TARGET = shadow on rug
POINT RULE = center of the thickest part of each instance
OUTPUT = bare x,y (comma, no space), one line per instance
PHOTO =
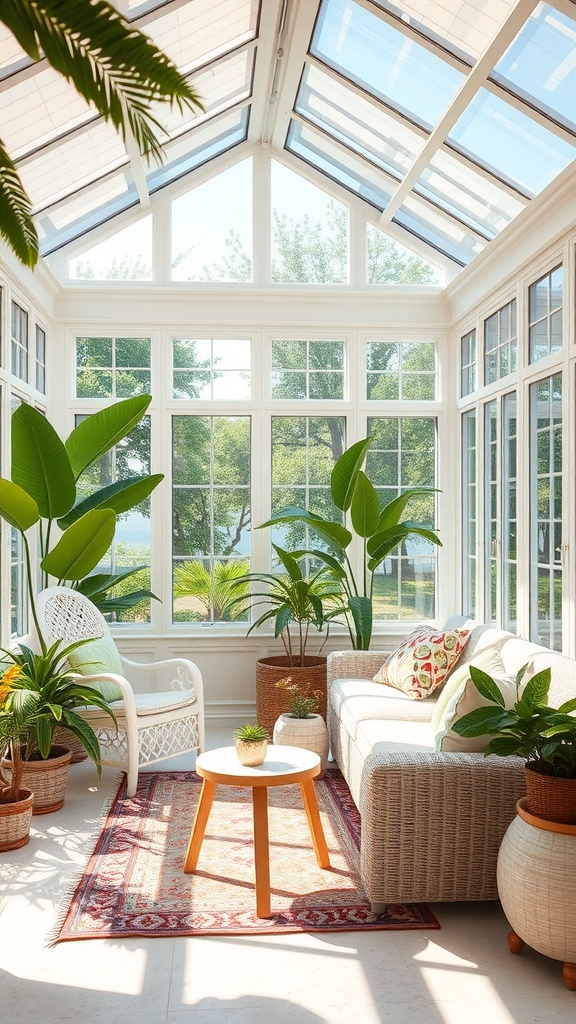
133,884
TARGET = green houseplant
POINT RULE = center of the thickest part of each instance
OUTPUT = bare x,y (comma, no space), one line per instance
380,530
301,725
42,494
43,490
544,736
294,602
38,694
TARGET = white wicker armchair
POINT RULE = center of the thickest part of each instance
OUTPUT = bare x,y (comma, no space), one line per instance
151,726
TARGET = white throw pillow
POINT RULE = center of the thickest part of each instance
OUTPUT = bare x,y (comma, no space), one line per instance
460,696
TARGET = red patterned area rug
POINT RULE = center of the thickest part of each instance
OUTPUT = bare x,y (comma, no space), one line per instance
133,884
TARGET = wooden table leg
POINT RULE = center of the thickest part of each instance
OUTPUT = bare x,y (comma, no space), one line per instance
316,830
199,826
261,850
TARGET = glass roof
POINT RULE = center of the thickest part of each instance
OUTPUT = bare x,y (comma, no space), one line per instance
447,118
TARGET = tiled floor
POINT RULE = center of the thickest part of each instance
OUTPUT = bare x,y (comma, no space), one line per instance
462,974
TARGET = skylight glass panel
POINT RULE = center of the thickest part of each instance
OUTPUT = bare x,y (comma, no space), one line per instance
440,231
321,153
465,26
92,206
511,144
39,108
378,57
78,160
363,126
195,33
469,195
197,147
220,87
541,63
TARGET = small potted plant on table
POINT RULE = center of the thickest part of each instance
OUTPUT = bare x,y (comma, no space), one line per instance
251,744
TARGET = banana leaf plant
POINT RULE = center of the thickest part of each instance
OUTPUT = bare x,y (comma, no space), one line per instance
42,491
379,529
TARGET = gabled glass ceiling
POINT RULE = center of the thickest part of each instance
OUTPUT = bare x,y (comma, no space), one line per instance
464,136
447,117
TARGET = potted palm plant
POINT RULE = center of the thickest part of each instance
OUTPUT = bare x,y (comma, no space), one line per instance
380,530
39,695
294,603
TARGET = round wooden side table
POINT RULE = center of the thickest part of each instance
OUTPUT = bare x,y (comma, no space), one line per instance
283,766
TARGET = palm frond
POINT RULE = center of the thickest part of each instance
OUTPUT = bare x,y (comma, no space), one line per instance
110,63
16,224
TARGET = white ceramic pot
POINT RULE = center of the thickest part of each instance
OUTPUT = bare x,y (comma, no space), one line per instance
310,733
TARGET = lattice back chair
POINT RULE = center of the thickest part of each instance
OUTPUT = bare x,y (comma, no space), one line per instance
151,726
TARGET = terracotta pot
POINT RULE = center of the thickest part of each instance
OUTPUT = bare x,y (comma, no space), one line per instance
15,822
549,797
309,733
45,778
272,702
251,754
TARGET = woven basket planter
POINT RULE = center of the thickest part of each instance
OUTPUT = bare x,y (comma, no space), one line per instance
15,822
551,798
537,887
65,738
272,702
46,779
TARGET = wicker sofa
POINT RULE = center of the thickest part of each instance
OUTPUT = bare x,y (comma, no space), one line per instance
432,822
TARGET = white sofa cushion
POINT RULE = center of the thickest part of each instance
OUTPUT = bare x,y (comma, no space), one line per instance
373,737
355,700
460,696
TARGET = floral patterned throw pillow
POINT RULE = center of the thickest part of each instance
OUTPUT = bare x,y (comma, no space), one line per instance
420,665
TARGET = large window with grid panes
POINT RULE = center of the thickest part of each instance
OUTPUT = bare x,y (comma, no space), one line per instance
514,448
253,421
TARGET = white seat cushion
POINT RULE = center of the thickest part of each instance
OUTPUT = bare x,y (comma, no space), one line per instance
153,703
374,737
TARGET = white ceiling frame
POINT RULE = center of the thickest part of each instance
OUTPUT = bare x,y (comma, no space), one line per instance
374,174
301,21
475,80
369,97
266,46
531,110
